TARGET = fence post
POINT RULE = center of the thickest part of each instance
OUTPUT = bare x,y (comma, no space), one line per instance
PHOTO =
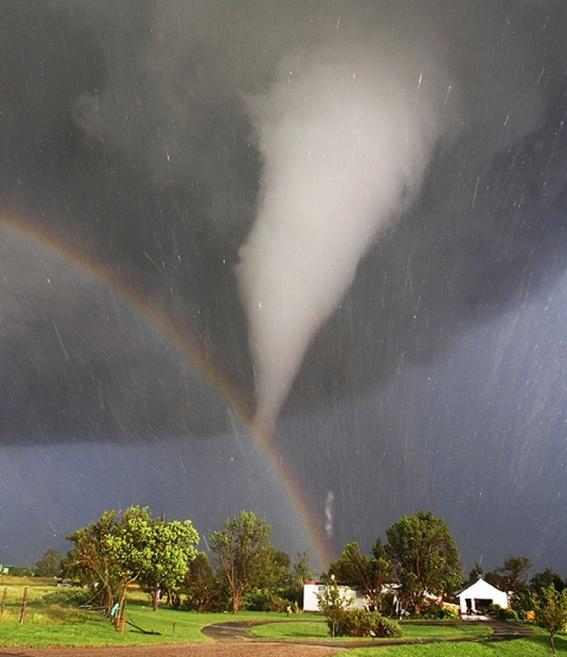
4,594
24,605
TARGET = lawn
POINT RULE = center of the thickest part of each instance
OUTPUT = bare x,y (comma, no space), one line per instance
537,646
50,621
316,629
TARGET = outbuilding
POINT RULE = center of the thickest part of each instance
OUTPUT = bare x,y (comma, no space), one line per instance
477,597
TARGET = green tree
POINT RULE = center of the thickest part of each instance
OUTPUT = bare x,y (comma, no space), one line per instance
49,565
425,557
363,572
91,562
551,612
475,573
115,551
201,587
244,554
544,579
333,603
299,573
514,573
155,553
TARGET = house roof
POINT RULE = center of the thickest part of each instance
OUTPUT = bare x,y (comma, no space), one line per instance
480,585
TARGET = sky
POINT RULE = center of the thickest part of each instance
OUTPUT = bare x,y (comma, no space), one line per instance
304,258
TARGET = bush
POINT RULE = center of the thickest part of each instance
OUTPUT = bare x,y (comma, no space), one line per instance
436,611
362,623
388,628
265,600
503,614
356,622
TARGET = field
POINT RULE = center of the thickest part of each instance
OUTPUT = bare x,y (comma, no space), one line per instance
51,619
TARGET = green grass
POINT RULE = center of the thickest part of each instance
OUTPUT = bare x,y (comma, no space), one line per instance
50,622
315,630
537,646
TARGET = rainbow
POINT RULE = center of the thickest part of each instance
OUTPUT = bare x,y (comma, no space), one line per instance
191,349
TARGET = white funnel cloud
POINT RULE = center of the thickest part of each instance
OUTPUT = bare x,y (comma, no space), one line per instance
345,137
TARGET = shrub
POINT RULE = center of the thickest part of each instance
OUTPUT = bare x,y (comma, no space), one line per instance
265,600
362,623
387,627
503,614
436,611
356,622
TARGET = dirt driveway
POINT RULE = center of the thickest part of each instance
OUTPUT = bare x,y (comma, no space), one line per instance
237,649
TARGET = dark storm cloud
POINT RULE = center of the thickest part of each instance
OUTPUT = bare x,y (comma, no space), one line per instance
134,132
128,127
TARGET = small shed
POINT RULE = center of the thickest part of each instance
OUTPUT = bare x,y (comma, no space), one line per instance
477,597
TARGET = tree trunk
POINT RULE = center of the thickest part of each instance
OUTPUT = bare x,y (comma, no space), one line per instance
120,613
552,643
155,599
236,602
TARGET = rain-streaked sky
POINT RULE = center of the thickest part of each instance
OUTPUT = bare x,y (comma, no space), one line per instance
346,220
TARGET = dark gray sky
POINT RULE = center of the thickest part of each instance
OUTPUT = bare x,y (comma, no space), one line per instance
152,138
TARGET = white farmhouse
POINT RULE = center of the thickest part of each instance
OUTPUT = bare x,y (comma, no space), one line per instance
479,596
311,589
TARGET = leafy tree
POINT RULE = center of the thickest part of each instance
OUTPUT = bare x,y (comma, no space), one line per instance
91,562
514,573
244,555
115,551
475,573
496,578
425,557
299,573
363,572
49,565
154,552
22,571
546,578
551,612
333,604
201,587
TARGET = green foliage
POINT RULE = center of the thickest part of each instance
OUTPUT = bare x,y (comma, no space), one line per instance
300,572
546,578
514,573
475,573
263,599
364,572
387,627
90,560
551,612
425,558
22,571
245,557
333,603
523,601
356,622
202,589
362,623
116,551
49,565
437,611
503,614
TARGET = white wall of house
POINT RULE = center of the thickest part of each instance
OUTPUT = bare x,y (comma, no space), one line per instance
311,602
481,590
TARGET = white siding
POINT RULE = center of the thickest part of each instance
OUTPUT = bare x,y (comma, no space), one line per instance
311,602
